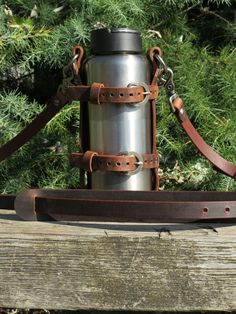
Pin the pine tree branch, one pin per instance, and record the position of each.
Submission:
(14, 79)
(191, 7)
(205, 10)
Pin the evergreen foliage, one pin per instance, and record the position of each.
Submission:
(198, 42)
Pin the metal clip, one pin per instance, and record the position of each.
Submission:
(162, 65)
(170, 88)
(68, 74)
(68, 71)
(165, 79)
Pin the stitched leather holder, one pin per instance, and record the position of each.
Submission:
(92, 161)
(97, 93)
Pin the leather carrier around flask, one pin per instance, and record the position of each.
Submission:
(118, 89)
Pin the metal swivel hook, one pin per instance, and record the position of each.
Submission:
(166, 79)
(161, 64)
(68, 70)
(69, 74)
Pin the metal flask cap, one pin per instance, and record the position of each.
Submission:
(115, 40)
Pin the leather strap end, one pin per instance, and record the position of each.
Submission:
(179, 110)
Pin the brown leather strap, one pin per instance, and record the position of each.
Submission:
(155, 71)
(92, 161)
(135, 206)
(150, 55)
(34, 127)
(98, 94)
(218, 162)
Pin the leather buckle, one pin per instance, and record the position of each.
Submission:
(138, 163)
(146, 93)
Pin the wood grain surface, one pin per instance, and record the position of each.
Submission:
(117, 266)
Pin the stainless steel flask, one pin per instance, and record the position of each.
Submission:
(119, 129)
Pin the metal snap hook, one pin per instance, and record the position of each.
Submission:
(138, 163)
(163, 66)
(146, 93)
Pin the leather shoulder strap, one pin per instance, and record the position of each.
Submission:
(218, 162)
(34, 127)
(59, 101)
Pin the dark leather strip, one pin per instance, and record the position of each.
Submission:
(7, 201)
(119, 95)
(92, 161)
(154, 131)
(34, 127)
(132, 210)
(150, 55)
(155, 72)
(135, 206)
(218, 162)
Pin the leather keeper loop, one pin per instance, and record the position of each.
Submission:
(95, 92)
(87, 160)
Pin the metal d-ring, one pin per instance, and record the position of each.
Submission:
(138, 163)
(146, 92)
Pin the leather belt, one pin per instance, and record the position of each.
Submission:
(133, 206)
(97, 93)
(92, 161)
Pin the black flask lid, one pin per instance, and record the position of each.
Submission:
(115, 40)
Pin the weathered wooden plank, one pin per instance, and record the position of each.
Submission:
(160, 267)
